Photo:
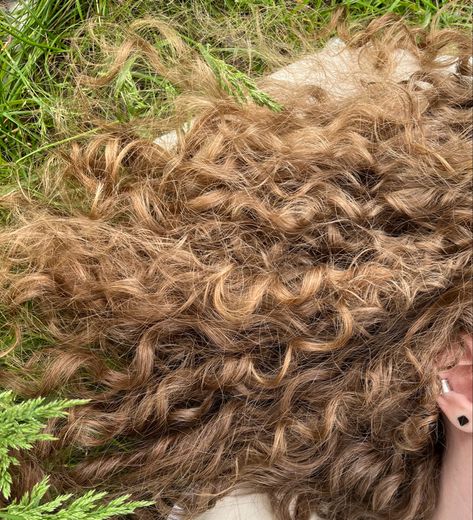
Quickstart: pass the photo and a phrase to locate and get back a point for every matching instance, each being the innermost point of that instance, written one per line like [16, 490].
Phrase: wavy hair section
[262, 306]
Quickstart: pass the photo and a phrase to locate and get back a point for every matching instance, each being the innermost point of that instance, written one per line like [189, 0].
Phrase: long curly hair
[263, 305]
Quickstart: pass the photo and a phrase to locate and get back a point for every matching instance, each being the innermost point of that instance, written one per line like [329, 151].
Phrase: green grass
[240, 39]
[34, 43]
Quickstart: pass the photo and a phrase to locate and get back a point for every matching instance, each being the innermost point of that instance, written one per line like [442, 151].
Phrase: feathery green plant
[235, 82]
[21, 425]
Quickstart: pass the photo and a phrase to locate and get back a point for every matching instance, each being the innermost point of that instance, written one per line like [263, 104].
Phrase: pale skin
[456, 477]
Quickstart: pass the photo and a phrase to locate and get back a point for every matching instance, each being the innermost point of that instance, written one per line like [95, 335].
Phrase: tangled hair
[263, 305]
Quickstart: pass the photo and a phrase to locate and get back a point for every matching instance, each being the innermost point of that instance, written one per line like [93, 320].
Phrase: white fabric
[336, 68]
[254, 506]
[239, 505]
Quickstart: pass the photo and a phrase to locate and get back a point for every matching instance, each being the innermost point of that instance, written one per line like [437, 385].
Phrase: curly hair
[263, 305]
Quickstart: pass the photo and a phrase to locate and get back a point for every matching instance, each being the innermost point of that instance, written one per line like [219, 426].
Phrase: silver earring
[445, 386]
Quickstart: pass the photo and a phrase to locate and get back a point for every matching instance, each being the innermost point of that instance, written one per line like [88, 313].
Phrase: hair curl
[262, 306]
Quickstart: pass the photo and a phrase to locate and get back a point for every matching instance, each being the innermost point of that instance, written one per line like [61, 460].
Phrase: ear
[456, 400]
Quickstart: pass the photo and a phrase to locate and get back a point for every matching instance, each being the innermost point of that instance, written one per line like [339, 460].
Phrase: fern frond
[85, 507]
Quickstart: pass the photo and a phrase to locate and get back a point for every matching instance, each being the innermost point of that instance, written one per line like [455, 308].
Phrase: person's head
[269, 304]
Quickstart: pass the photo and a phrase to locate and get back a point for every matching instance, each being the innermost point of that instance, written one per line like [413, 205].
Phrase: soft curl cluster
[262, 306]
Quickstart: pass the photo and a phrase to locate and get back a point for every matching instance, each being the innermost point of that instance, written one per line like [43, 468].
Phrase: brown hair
[262, 306]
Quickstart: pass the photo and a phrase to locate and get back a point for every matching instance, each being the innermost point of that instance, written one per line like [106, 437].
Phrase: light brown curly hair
[263, 305]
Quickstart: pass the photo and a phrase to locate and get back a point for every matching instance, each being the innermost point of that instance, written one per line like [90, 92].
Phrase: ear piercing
[445, 386]
[462, 419]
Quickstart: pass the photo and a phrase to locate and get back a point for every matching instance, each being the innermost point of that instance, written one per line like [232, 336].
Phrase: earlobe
[458, 409]
[456, 399]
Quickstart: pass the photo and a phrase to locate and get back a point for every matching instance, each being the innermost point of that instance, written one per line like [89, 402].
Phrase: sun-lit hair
[262, 305]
